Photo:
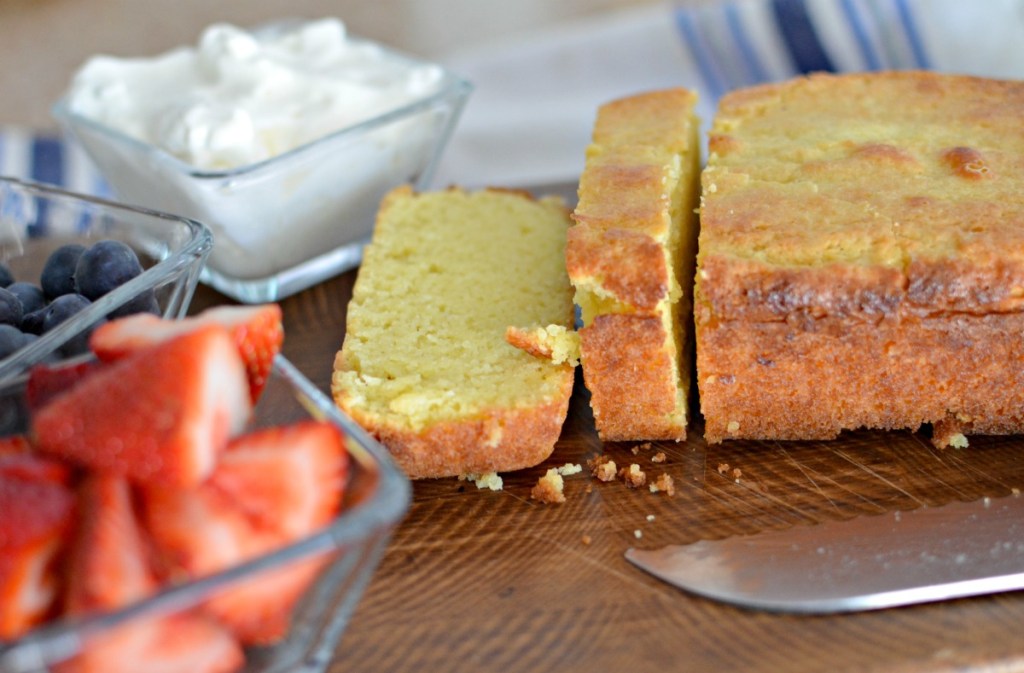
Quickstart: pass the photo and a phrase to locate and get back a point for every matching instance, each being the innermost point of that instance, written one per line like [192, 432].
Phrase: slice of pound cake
[425, 365]
[862, 258]
[630, 258]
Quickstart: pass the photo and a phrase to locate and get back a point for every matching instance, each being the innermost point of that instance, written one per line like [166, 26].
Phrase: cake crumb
[664, 484]
[570, 468]
[659, 457]
[491, 480]
[633, 476]
[650, 517]
[586, 540]
[635, 450]
[737, 473]
[958, 441]
[548, 489]
[638, 533]
[602, 467]
[1015, 491]
[723, 468]
[596, 461]
[589, 489]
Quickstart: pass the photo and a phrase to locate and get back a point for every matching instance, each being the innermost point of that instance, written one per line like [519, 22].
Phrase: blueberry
[104, 266]
[30, 296]
[61, 309]
[64, 308]
[6, 277]
[32, 323]
[144, 302]
[58, 275]
[11, 340]
[10, 308]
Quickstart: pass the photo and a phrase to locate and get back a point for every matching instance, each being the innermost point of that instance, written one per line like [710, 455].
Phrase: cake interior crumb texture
[425, 364]
[861, 258]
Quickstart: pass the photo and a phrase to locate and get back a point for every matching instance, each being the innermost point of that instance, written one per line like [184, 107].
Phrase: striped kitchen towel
[48, 157]
[529, 120]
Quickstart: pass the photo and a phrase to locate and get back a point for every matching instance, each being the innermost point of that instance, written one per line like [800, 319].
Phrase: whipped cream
[241, 97]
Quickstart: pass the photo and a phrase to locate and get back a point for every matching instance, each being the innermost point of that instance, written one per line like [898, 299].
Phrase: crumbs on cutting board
[550, 487]
[490, 480]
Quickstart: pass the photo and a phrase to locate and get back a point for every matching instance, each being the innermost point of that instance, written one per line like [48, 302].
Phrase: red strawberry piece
[18, 460]
[271, 487]
[183, 643]
[47, 381]
[35, 515]
[109, 565]
[257, 330]
[286, 479]
[109, 569]
[160, 415]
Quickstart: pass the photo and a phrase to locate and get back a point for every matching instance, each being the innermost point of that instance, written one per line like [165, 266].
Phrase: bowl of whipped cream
[282, 140]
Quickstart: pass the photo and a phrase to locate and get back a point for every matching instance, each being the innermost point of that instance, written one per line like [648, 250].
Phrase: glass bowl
[295, 219]
[375, 499]
[36, 219]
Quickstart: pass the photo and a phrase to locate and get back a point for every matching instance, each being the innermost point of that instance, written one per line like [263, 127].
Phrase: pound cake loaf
[862, 258]
[630, 259]
[425, 365]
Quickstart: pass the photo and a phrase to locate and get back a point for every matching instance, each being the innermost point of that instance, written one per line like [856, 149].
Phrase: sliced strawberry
[35, 515]
[14, 445]
[46, 381]
[109, 565]
[18, 460]
[257, 330]
[185, 643]
[288, 480]
[109, 569]
[160, 415]
[270, 487]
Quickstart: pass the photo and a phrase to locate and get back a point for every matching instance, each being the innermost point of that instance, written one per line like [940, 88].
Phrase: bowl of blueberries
[69, 262]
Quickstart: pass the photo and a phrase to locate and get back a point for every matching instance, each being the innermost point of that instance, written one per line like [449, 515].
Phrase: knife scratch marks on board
[630, 578]
[878, 476]
[807, 472]
[956, 458]
[738, 502]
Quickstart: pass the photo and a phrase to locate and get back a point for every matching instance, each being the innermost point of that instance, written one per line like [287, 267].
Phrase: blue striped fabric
[806, 35]
[800, 36]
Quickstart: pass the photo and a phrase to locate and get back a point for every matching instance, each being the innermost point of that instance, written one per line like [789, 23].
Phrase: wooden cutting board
[493, 581]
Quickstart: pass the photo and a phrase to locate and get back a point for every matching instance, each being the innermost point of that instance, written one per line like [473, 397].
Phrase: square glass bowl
[346, 551]
[291, 221]
[36, 219]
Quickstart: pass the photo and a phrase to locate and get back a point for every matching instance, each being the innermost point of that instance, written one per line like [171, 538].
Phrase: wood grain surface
[475, 580]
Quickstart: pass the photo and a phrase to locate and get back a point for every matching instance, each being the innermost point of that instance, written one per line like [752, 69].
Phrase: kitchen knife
[866, 563]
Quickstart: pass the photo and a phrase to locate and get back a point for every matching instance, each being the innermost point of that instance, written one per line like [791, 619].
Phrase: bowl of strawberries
[183, 499]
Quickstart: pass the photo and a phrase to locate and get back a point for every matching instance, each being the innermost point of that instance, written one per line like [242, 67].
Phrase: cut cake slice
[425, 366]
[630, 258]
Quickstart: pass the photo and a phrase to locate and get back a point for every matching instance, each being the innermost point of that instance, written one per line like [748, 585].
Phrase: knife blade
[866, 563]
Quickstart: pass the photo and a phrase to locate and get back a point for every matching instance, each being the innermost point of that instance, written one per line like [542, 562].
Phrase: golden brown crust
[862, 258]
[498, 440]
[630, 264]
[765, 380]
[526, 340]
[635, 391]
